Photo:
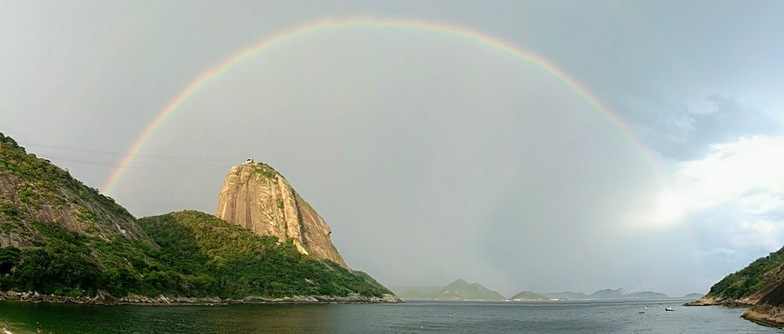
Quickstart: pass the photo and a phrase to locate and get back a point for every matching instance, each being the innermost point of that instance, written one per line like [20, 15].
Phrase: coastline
[710, 301]
[762, 314]
[765, 315]
[103, 298]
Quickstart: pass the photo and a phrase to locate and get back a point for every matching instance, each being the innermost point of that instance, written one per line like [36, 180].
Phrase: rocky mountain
[528, 296]
[457, 290]
[67, 242]
[258, 198]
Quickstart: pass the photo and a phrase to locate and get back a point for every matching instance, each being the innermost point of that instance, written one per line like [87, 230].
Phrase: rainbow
[372, 22]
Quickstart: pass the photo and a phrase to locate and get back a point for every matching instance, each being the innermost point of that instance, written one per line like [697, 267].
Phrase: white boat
[669, 309]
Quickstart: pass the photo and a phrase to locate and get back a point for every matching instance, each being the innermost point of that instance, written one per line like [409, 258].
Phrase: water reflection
[448, 317]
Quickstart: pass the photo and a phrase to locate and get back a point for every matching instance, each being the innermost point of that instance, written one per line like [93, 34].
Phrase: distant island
[612, 294]
[457, 290]
[528, 296]
[462, 290]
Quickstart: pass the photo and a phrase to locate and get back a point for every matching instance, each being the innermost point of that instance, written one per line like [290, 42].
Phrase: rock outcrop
[257, 197]
[769, 309]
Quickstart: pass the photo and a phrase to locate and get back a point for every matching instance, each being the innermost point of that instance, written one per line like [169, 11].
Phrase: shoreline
[765, 315]
[103, 298]
[760, 314]
[710, 301]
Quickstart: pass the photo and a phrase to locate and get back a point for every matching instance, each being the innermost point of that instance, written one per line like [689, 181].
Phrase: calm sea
[412, 317]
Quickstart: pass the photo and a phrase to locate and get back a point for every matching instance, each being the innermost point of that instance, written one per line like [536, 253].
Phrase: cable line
[114, 165]
[123, 154]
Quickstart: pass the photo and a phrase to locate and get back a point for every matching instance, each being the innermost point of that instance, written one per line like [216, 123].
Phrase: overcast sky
[433, 156]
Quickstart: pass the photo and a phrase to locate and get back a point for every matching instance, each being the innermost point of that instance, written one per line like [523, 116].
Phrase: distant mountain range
[614, 294]
[462, 290]
[457, 290]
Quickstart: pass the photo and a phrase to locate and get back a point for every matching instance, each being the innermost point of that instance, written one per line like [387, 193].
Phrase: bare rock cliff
[257, 197]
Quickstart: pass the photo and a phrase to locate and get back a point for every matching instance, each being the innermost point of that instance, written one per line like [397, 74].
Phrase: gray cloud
[688, 133]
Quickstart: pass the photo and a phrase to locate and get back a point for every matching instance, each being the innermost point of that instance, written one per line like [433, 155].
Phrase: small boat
[669, 309]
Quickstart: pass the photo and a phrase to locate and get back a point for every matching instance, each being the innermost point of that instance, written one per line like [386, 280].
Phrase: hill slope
[758, 285]
[528, 296]
[221, 259]
[60, 236]
[748, 285]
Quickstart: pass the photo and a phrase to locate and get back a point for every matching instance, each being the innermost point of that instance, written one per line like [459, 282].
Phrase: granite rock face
[769, 307]
[258, 198]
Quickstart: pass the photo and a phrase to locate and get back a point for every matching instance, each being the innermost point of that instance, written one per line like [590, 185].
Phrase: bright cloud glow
[748, 172]
[745, 176]
[742, 179]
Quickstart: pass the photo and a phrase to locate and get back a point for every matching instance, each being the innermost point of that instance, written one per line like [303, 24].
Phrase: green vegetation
[45, 183]
[67, 263]
[68, 239]
[220, 259]
[751, 279]
[265, 170]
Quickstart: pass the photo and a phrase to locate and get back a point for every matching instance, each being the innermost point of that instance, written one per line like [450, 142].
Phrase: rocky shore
[765, 314]
[761, 313]
[103, 298]
[710, 301]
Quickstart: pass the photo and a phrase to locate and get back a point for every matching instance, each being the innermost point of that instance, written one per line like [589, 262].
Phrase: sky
[531, 145]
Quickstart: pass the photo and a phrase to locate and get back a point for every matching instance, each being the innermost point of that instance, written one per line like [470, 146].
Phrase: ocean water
[412, 317]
